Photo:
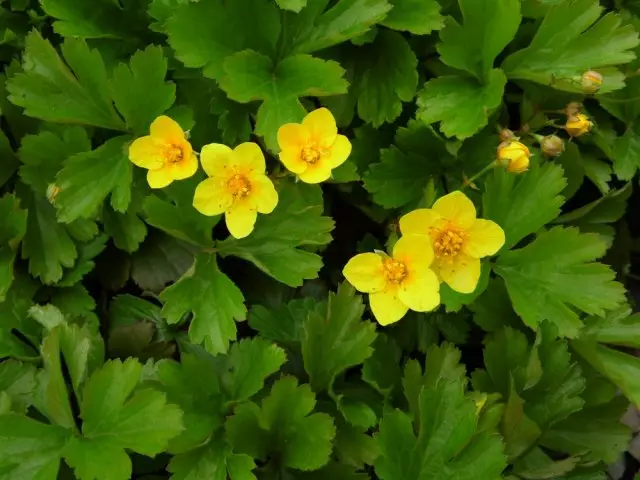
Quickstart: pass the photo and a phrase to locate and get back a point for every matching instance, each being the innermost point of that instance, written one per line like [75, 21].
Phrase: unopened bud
[578, 125]
[572, 109]
[552, 145]
[507, 135]
[52, 191]
[514, 156]
[591, 81]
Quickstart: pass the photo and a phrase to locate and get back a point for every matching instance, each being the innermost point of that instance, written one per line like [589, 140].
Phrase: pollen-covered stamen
[239, 186]
[310, 154]
[447, 241]
[395, 271]
[173, 154]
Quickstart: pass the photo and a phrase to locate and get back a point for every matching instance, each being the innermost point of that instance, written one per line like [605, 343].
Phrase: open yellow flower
[166, 153]
[459, 239]
[399, 283]
[237, 186]
[313, 148]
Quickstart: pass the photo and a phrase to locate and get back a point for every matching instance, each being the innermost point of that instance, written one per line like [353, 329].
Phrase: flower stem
[469, 181]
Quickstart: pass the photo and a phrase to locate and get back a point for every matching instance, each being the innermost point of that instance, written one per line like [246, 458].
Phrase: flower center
[239, 186]
[310, 154]
[395, 271]
[448, 241]
[173, 154]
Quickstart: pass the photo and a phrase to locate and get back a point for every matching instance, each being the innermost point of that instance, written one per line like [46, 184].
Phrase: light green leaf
[535, 200]
[571, 40]
[30, 449]
[97, 459]
[140, 91]
[337, 339]
[292, 5]
[443, 443]
[212, 461]
[487, 27]
[419, 17]
[250, 76]
[213, 298]
[461, 104]
[49, 90]
[284, 425]
[127, 230]
[18, 381]
[88, 178]
[274, 245]
[555, 275]
[626, 155]
[12, 229]
[205, 33]
[618, 327]
[74, 302]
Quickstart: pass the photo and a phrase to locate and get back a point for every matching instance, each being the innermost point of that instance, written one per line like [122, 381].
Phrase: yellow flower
[578, 125]
[237, 186]
[314, 147]
[166, 153]
[514, 156]
[591, 81]
[398, 283]
[459, 239]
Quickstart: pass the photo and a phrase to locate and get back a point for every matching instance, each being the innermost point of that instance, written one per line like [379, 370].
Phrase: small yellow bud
[591, 81]
[578, 125]
[507, 135]
[52, 192]
[552, 145]
[514, 156]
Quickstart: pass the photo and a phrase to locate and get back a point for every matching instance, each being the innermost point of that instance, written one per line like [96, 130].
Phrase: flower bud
[591, 81]
[572, 109]
[514, 156]
[52, 191]
[552, 145]
[578, 125]
[507, 135]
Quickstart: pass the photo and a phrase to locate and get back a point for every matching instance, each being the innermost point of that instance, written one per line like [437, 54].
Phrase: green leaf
[30, 449]
[626, 154]
[212, 461]
[492, 310]
[572, 39]
[213, 298]
[274, 245]
[419, 17]
[555, 275]
[461, 104]
[12, 229]
[250, 76]
[284, 425]
[535, 200]
[487, 27]
[337, 339]
[88, 178]
[103, 19]
[618, 327]
[117, 416]
[85, 262]
[205, 33]
[74, 302]
[347, 19]
[285, 324]
[382, 369]
[50, 90]
[519, 432]
[443, 442]
[292, 5]
[127, 229]
[139, 90]
[42, 155]
[624, 104]
[18, 381]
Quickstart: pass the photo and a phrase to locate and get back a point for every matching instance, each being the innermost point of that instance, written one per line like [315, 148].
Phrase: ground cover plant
[318, 239]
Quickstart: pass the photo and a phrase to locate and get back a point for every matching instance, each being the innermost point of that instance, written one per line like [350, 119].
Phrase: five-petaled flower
[166, 153]
[398, 283]
[313, 148]
[459, 239]
[237, 186]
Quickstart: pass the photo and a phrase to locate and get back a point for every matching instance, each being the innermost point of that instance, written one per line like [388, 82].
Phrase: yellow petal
[185, 168]
[322, 126]
[146, 153]
[364, 272]
[484, 238]
[263, 193]
[159, 178]
[419, 221]
[292, 160]
[240, 219]
[248, 157]
[215, 158]
[212, 197]
[420, 291]
[461, 272]
[167, 130]
[316, 173]
[292, 136]
[415, 251]
[339, 151]
[456, 207]
[387, 307]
